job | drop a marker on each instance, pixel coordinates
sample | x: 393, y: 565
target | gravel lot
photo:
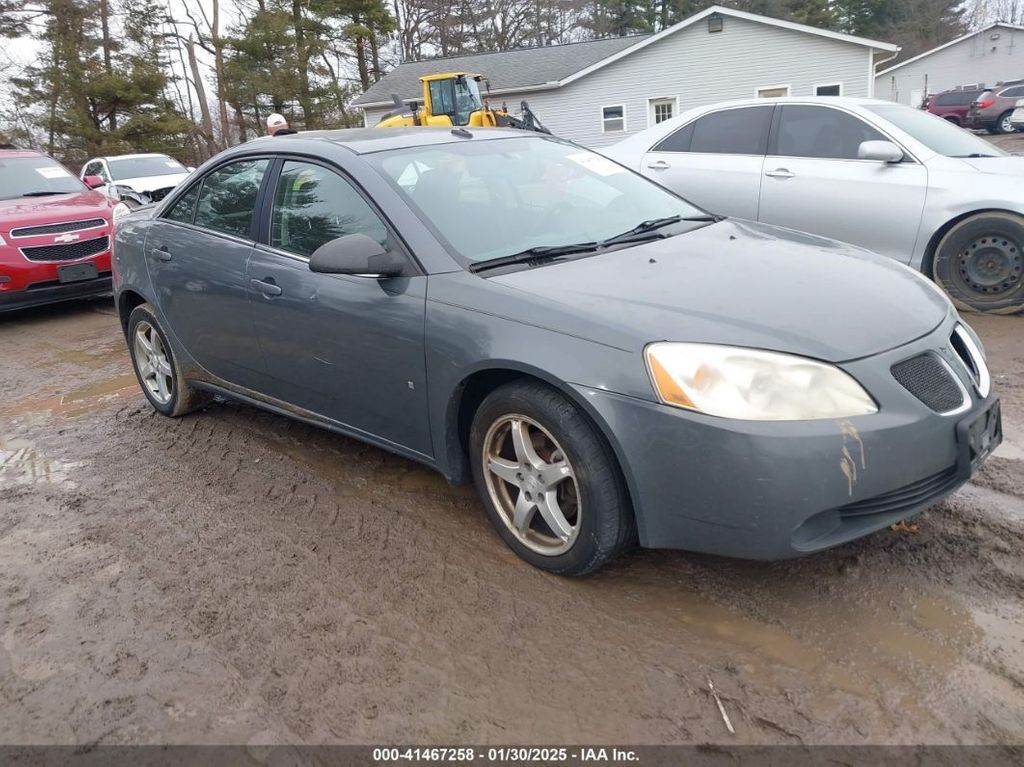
x: 234, y: 577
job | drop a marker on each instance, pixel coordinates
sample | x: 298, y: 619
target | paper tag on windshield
x: 602, y: 166
x: 52, y: 172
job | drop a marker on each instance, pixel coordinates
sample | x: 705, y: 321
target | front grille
x: 67, y: 226
x: 158, y: 194
x: 905, y: 498
x: 928, y: 379
x: 69, y: 252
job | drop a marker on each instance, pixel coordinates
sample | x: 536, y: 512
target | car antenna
x: 461, y: 133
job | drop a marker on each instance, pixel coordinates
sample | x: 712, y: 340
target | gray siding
x: 696, y: 67
x: 978, y: 59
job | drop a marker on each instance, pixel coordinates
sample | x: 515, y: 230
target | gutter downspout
x: 874, y: 69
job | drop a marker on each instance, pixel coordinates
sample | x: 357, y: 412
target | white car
x: 137, y: 178
x: 892, y: 179
x: 1017, y: 116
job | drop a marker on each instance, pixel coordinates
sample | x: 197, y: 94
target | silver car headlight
x: 753, y: 385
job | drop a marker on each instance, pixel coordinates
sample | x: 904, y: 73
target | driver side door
x: 347, y: 348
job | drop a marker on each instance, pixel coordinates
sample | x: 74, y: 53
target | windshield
x: 138, y: 167
x: 489, y: 199
x: 35, y: 177
x: 939, y: 135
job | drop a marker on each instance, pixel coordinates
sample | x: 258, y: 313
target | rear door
x: 347, y: 348
x: 197, y: 254
x: 814, y: 182
x: 716, y: 160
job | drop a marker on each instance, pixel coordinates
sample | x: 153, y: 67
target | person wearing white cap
x: 277, y: 125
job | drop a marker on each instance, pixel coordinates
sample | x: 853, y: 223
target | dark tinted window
x: 1013, y: 93
x: 184, y: 208
x: 822, y: 132
x: 228, y: 197
x: 678, y: 141
x: 732, y: 131
x: 313, y: 205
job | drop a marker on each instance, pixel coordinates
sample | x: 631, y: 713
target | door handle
x: 267, y: 287
x: 658, y: 165
x: 780, y: 173
x: 162, y: 253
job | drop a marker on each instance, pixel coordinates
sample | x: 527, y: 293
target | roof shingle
x: 506, y: 70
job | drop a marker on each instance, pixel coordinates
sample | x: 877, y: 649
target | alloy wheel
x: 992, y: 265
x: 1006, y: 125
x: 153, y: 363
x: 532, y: 484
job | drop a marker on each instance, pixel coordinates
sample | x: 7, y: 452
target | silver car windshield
x: 489, y: 199
x: 939, y: 135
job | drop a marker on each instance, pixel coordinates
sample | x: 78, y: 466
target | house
x: 599, y: 92
x: 985, y: 57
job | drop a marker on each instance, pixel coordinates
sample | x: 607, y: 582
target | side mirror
x: 93, y: 181
x: 358, y: 255
x: 882, y: 151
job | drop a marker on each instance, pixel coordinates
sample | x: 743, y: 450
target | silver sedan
x: 883, y: 176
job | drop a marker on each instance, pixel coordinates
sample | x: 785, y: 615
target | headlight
x: 121, y: 211
x: 753, y: 385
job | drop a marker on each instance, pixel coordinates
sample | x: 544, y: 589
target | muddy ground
x: 235, y: 577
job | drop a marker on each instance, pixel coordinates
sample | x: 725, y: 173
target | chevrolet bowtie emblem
x: 65, y: 238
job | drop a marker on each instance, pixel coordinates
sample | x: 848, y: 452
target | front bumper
x: 25, y: 283
x: 48, y: 293
x: 774, y: 490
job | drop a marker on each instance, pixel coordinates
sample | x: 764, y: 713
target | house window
x: 772, y: 91
x: 661, y: 110
x: 829, y: 89
x: 613, y: 119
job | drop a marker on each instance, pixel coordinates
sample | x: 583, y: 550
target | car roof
x: 841, y: 101
x: 368, y: 140
x: 10, y: 153
x: 131, y: 156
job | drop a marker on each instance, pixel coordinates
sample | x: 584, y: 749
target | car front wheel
x: 159, y: 375
x: 549, y: 482
x: 980, y: 263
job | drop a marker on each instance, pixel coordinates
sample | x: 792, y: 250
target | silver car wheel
x: 152, y: 363
x: 532, y: 485
x: 1006, y: 125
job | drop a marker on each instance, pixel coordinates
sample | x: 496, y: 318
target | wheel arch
x: 928, y: 262
x: 127, y: 300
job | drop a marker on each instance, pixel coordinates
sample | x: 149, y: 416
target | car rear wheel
x: 155, y: 367
x: 550, y: 484
x: 1004, y: 125
x: 980, y: 263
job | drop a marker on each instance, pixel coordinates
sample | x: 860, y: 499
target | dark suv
x: 992, y: 109
x: 953, y: 105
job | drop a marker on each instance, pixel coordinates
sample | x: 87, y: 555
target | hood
x: 1007, y: 166
x: 152, y: 183
x: 36, y: 211
x: 736, y: 283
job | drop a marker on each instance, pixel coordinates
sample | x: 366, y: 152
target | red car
x: 953, y: 105
x: 55, y: 232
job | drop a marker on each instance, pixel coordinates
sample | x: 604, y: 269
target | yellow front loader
x: 453, y: 99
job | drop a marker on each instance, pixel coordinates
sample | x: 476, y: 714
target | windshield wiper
x: 537, y: 254
x: 42, y: 194
x: 649, y: 228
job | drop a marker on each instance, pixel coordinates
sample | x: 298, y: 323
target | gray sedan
x: 608, y: 363
x: 895, y: 180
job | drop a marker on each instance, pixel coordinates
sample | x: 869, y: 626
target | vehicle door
x: 197, y: 253
x: 716, y: 160
x: 814, y: 181
x: 345, y: 347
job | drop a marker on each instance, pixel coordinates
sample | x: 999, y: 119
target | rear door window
x: 228, y: 197
x: 732, y: 131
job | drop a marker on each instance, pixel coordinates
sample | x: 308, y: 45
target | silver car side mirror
x: 882, y: 151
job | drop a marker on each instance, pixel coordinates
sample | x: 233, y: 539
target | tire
x: 1003, y: 124
x: 163, y: 384
x: 591, y: 496
x: 953, y: 120
x: 980, y: 263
